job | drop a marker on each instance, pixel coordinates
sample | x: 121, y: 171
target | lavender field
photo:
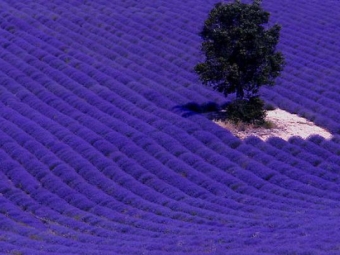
x: 100, y: 153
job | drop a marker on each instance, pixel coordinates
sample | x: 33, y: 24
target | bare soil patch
x: 283, y: 124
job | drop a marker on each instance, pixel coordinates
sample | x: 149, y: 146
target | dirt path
x: 286, y: 125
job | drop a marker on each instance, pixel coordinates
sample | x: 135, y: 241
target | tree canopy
x: 240, y: 50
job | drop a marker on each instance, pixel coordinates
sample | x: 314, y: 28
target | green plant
x: 268, y: 125
x: 247, y: 111
x: 240, y: 54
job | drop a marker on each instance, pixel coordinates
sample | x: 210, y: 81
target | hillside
x: 99, y: 153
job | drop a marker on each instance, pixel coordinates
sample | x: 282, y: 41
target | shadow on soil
x: 211, y: 110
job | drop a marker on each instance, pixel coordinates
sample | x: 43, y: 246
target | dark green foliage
x: 247, y: 111
x: 240, y: 52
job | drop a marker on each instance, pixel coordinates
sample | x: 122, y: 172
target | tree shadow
x: 211, y: 110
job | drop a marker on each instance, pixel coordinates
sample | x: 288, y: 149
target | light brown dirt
x: 285, y: 125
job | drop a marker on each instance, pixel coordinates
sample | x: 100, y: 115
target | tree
x: 240, y: 52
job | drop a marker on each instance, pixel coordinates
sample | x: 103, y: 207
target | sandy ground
x: 286, y: 125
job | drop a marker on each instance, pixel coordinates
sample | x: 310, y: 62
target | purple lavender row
x: 331, y: 146
x: 280, y: 98
x: 218, y: 147
x: 295, y: 157
x: 36, y: 234
x: 294, y: 62
x: 209, y: 140
x: 304, y: 198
